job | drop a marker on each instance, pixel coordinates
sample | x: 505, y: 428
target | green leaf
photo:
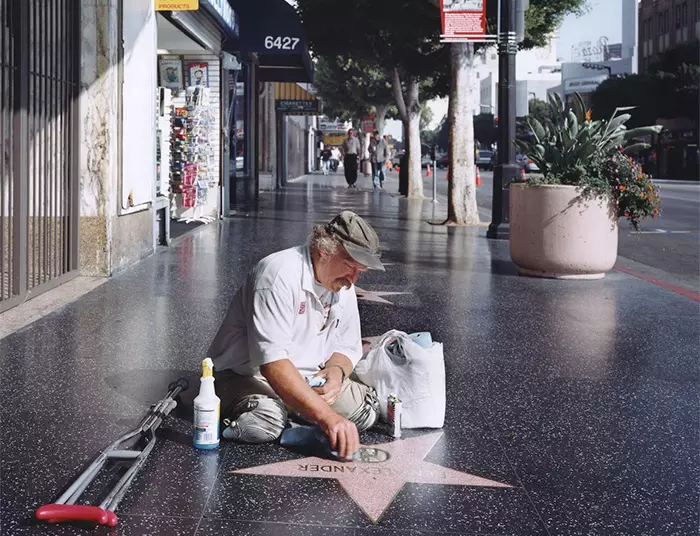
x: 636, y: 147
x: 573, y: 124
x: 616, y: 123
x: 643, y: 131
x: 623, y: 109
x: 579, y: 108
x: 537, y: 129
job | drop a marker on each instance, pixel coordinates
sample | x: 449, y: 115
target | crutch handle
x: 182, y: 383
x: 57, y: 513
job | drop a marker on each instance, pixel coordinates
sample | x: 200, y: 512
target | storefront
x: 192, y: 155
x: 273, y: 41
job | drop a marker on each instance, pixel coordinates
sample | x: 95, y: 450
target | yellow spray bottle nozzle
x: 207, y: 368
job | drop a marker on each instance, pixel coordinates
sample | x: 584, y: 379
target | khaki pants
x: 253, y: 413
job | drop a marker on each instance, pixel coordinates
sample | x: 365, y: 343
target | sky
x: 604, y: 18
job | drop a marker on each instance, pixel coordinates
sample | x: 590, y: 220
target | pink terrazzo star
x: 373, y: 486
x: 376, y: 296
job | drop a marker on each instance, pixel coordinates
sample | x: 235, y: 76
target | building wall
x: 297, y: 146
x: 99, y: 147
x: 664, y: 24
x: 630, y: 31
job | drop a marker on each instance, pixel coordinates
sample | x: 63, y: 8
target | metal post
x: 20, y: 135
x: 506, y: 169
x: 434, y: 160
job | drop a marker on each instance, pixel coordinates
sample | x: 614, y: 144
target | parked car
x: 483, y: 159
x: 524, y: 162
x: 443, y: 160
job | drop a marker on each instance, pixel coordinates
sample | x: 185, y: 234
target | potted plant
x: 564, y: 220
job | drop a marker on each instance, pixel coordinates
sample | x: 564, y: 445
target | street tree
x: 350, y: 90
x: 542, y: 19
x: 397, y: 37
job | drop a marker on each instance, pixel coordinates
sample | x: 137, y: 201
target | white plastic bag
x: 417, y: 378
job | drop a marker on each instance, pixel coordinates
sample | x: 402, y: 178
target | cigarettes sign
x: 463, y: 18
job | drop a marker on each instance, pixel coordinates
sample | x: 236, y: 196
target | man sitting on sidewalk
x: 296, y: 316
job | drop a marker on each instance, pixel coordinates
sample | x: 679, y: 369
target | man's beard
x: 343, y: 283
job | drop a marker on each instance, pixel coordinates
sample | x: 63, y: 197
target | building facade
x: 122, y: 123
x: 537, y: 71
x: 664, y: 24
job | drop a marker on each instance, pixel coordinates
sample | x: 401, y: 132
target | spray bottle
x: 206, y: 410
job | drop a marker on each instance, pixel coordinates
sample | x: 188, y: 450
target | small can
x: 393, y: 410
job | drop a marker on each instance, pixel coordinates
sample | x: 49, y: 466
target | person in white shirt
x: 296, y: 317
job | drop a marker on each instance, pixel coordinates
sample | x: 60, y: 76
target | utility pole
x: 506, y: 170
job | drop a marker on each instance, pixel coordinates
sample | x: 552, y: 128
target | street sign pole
x: 434, y: 159
x: 506, y: 169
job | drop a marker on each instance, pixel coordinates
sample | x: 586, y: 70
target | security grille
x: 39, y: 77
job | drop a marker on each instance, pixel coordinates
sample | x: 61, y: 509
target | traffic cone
x: 428, y: 173
x: 478, y: 177
x: 447, y: 176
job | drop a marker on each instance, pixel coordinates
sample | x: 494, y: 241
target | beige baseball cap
x: 359, y: 239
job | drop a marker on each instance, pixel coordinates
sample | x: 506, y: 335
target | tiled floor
x: 582, y: 397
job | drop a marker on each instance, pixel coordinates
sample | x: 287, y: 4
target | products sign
x: 176, y: 5
x: 463, y: 18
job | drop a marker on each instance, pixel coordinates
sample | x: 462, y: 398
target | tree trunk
x: 413, y: 148
x: 380, y: 118
x: 461, y: 199
x: 409, y: 110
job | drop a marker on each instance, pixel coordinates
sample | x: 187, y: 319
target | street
x: 670, y: 242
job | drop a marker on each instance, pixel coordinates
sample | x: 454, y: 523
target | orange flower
x: 589, y: 114
x: 623, y: 188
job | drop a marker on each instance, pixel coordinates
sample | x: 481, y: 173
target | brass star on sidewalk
x: 374, y: 485
x: 376, y: 296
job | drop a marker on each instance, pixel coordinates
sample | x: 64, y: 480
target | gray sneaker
x: 256, y: 419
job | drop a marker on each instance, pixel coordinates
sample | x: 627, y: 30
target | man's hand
x: 330, y: 391
x: 342, y: 435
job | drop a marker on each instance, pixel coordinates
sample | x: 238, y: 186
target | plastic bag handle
x: 56, y: 513
x: 391, y: 334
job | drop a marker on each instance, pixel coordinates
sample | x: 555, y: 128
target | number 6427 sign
x: 281, y: 43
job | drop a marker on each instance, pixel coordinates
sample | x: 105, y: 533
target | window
x: 238, y: 115
x: 678, y: 17
x: 684, y: 14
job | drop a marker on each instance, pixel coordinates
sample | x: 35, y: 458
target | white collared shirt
x: 277, y: 314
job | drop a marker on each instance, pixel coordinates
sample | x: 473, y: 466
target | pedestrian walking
x: 351, y: 148
x: 335, y: 159
x: 379, y: 154
x: 326, y: 160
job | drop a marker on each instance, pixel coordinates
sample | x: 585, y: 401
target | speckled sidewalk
x: 572, y: 406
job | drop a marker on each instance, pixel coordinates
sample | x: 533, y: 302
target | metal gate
x: 39, y: 123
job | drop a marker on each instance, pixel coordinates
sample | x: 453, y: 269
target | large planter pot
x: 556, y: 232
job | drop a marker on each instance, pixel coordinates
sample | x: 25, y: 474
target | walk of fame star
x: 373, y: 486
x: 376, y: 295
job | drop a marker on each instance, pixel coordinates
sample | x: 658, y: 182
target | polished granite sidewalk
x: 572, y: 406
